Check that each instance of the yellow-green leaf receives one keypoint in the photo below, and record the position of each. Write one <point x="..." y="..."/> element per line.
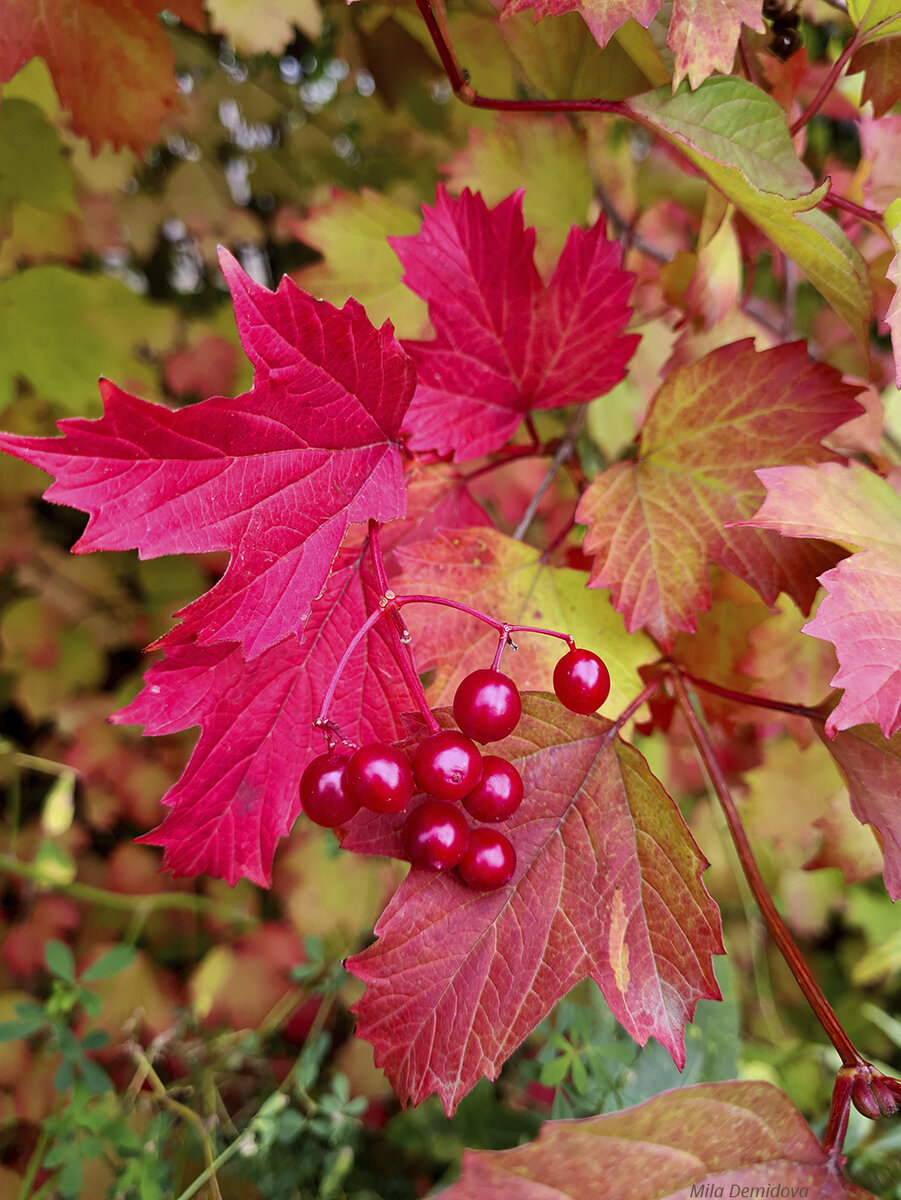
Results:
<point x="736" y="135"/>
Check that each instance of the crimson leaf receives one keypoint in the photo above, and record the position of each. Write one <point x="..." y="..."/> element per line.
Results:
<point x="274" y="476"/>
<point x="607" y="885"/>
<point x="507" y="343"/>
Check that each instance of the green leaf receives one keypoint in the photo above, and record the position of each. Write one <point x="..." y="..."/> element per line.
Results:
<point x="554" y="1072"/>
<point x="69" y="1045"/>
<point x="26" y="1009"/>
<point x="59" y="960"/>
<point x="10" y="1031"/>
<point x="737" y="136"/>
<point x="95" y="326"/>
<point x="64" y="1077"/>
<point x="91" y="1003"/>
<point x="35" y="168"/>
<point x="70" y="1178"/>
<point x="95" y="1077"/>
<point x="880" y="18"/>
<point x="110" y="963"/>
<point x="95" y="1040"/>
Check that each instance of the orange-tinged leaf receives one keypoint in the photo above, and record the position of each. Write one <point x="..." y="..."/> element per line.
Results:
<point x="607" y="886"/>
<point x="710" y="1140"/>
<point x="861" y="612"/>
<point x="110" y="61"/>
<point x="881" y="63"/>
<point x="654" y="524"/>
<point x="505" y="578"/>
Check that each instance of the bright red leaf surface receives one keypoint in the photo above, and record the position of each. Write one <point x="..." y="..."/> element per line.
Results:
<point x="110" y="61"/>
<point x="607" y="885"/>
<point x="861" y="612"/>
<point x="872" y="767"/>
<point x="713" y="1139"/>
<point x="273" y="476"/>
<point x="239" y="792"/>
<point x="655" y="523"/>
<point x="507" y="343"/>
<point x="703" y="34"/>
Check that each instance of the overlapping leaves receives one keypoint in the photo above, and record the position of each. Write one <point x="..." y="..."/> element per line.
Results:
<point x="607" y="886"/>
<point x="656" y="522"/>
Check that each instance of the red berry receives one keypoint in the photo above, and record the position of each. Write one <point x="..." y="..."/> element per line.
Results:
<point x="447" y="765"/>
<point x="498" y="794"/>
<point x="381" y="778"/>
<point x="435" y="835"/>
<point x="581" y="681"/>
<point x="487" y="706"/>
<point x="489" y="860"/>
<point x="324" y="793"/>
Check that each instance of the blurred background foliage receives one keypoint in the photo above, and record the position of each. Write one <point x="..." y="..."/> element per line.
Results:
<point x="159" y="1032"/>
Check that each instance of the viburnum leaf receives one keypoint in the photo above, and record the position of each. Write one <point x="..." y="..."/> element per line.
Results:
<point x="239" y="792"/>
<point x="111" y="62"/>
<point x="703" y="34"/>
<point x="507" y="343"/>
<point x="669" y="1148"/>
<point x="507" y="579"/>
<point x="736" y="135"/>
<point x="253" y="28"/>
<point x="274" y="476"/>
<point x="861" y="612"/>
<point x="655" y="523"/>
<point x="871" y="764"/>
<point x="607" y="886"/>
<point x="877" y="18"/>
<point x="881" y="63"/>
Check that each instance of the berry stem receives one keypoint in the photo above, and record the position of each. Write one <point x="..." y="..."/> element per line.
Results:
<point x="777" y="927"/>
<point x="501" y="626"/>
<point x="643" y="696"/>
<point x="322" y="718"/>
<point x="785" y="706"/>
<point x="834" y="200"/>
<point x="399" y="634"/>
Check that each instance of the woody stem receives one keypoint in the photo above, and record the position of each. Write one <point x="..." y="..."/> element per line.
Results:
<point x="777" y="927"/>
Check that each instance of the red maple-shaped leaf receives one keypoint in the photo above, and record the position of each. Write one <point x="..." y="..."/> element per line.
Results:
<point x="607" y="885"/>
<point x="111" y="62"/>
<point x="655" y="523"/>
<point x="871" y="764"/>
<point x="273" y="476"/>
<point x="861" y="612"/>
<point x="239" y="792"/>
<point x="711" y="1140"/>
<point x="507" y="343"/>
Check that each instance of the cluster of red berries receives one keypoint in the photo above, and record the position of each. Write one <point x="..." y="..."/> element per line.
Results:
<point x="449" y="768"/>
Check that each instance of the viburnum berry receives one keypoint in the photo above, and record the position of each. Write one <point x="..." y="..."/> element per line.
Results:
<point x="435" y="835"/>
<point x="447" y="765"/>
<point x="489" y="860"/>
<point x="381" y="778"/>
<point x="498" y="794"/>
<point x="487" y="706"/>
<point x="324" y="793"/>
<point x="581" y="681"/>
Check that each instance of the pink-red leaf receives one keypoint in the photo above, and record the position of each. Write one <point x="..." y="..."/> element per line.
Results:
<point x="872" y="767"/>
<point x="505" y="342"/>
<point x="655" y="523"/>
<point x="239" y="792"/>
<point x="712" y="1140"/>
<point x="607" y="885"/>
<point x="111" y="62"/>
<point x="861" y="613"/>
<point x="274" y="476"/>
